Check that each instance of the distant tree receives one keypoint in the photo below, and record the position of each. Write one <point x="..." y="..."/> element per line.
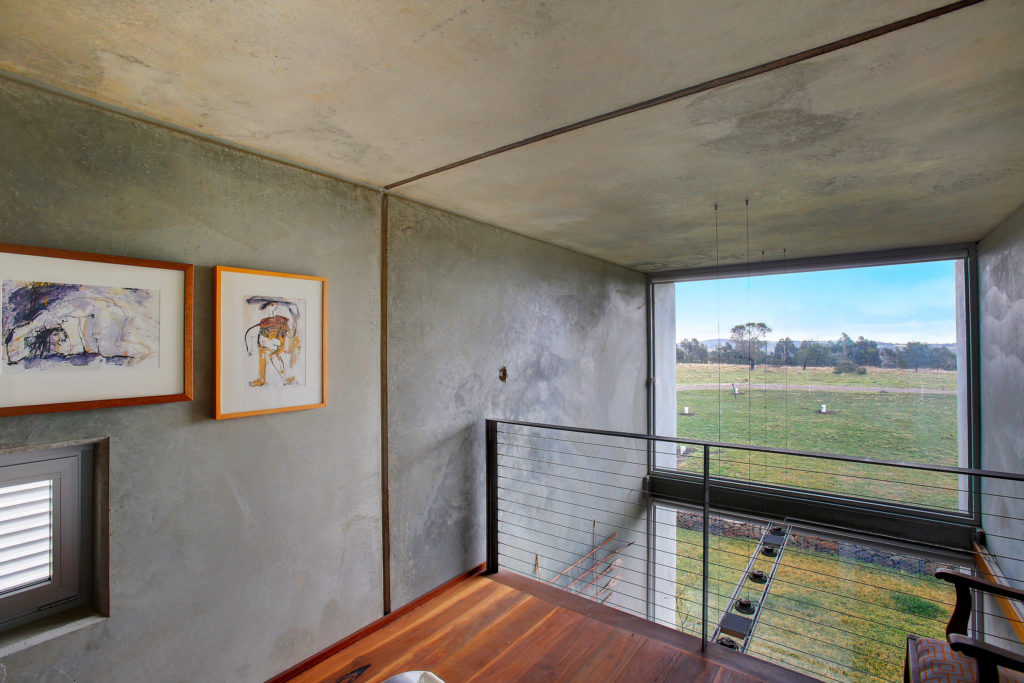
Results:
<point x="914" y="355"/>
<point x="691" y="351"/>
<point x="785" y="352"/>
<point x="814" y="354"/>
<point x="843" y="347"/>
<point x="726" y="353"/>
<point x="941" y="358"/>
<point x="865" y="352"/>
<point x="889" y="357"/>
<point x="748" y="339"/>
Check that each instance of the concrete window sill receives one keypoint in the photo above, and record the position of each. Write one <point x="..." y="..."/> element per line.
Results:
<point x="30" y="635"/>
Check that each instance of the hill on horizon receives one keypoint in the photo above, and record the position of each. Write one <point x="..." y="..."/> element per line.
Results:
<point x="713" y="344"/>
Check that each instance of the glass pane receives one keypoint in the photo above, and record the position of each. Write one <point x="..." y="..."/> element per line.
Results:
<point x="865" y="362"/>
<point x="834" y="608"/>
<point x="841" y="611"/>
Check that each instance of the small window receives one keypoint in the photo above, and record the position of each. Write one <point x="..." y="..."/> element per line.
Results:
<point x="45" y="532"/>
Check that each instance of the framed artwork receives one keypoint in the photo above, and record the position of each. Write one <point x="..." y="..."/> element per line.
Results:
<point x="270" y="351"/>
<point x="85" y="330"/>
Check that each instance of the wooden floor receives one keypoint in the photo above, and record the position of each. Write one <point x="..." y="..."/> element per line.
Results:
<point x="510" y="628"/>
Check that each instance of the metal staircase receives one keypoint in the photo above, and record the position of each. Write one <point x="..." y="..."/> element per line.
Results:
<point x="735" y="629"/>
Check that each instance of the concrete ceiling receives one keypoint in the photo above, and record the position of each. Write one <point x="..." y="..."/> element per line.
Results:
<point x="907" y="139"/>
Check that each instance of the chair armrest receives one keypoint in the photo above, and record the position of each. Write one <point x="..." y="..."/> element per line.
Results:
<point x="963" y="583"/>
<point x="957" y="579"/>
<point x="987" y="655"/>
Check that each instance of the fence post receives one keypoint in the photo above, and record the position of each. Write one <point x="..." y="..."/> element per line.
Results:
<point x="704" y="562"/>
<point x="491" y="429"/>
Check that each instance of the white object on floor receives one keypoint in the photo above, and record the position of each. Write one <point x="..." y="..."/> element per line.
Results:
<point x="414" y="677"/>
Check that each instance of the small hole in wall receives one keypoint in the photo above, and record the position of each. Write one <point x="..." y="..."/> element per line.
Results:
<point x="503" y="373"/>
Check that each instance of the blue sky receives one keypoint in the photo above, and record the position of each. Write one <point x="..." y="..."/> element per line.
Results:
<point x="910" y="302"/>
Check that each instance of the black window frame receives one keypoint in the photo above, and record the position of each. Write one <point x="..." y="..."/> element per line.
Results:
<point x="929" y="526"/>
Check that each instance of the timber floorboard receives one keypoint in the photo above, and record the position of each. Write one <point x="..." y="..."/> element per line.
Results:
<point x="511" y="628"/>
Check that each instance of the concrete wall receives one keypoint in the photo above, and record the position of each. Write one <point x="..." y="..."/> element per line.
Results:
<point x="1001" y="288"/>
<point x="465" y="300"/>
<point x="237" y="548"/>
<point x="573" y="514"/>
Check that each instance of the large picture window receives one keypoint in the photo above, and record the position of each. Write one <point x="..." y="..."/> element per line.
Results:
<point x="860" y="360"/>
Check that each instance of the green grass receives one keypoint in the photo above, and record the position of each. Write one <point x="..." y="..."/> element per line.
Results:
<point x="920" y="607"/>
<point x="910" y="427"/>
<point x="831" y="617"/>
<point x="693" y="373"/>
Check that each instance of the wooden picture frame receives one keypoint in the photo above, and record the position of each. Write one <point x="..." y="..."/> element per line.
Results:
<point x="270" y="345"/>
<point x="83" y="330"/>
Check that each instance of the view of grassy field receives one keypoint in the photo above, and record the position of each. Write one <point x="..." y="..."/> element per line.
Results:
<point x="905" y="426"/>
<point x="701" y="373"/>
<point x="829" y="616"/>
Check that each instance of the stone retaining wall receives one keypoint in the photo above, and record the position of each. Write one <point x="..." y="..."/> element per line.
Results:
<point x="844" y="549"/>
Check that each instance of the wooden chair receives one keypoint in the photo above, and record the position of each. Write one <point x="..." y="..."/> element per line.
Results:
<point x="961" y="658"/>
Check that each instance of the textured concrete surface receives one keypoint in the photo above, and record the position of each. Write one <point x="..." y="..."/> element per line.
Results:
<point x="1001" y="287"/>
<point x="910" y="139"/>
<point x="573" y="513"/>
<point x="382" y="90"/>
<point x="237" y="548"/>
<point x="465" y="300"/>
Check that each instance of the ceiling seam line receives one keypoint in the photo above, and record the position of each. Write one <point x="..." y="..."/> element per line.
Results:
<point x="718" y="82"/>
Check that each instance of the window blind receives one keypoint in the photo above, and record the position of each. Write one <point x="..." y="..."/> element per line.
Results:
<point x="26" y="534"/>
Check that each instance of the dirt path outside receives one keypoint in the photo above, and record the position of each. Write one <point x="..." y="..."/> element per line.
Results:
<point x="813" y="387"/>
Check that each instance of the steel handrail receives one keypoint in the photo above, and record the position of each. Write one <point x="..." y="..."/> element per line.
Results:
<point x="966" y="471"/>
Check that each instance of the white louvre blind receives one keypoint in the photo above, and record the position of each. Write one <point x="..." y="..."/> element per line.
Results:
<point x="26" y="534"/>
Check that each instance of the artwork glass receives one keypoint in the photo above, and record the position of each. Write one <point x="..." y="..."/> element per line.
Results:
<point x="269" y="342"/>
<point x="85" y="330"/>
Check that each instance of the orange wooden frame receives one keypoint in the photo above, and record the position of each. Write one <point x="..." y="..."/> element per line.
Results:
<point x="186" y="268"/>
<point x="985" y="563"/>
<point x="218" y="385"/>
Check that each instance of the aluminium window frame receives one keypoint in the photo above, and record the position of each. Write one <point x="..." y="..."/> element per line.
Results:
<point x="71" y="468"/>
<point x="771" y="499"/>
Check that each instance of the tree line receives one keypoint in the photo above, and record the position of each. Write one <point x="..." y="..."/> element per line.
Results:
<point x="748" y="345"/>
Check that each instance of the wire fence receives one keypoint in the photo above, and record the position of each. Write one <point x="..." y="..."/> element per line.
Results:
<point x="577" y="509"/>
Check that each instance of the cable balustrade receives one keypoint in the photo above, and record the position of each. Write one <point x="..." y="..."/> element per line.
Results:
<point x="819" y="562"/>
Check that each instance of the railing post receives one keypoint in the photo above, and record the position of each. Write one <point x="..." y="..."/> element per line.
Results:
<point x="704" y="562"/>
<point x="491" y="429"/>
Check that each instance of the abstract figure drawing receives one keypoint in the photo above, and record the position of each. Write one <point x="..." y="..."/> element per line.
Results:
<point x="276" y="340"/>
<point x="51" y="326"/>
